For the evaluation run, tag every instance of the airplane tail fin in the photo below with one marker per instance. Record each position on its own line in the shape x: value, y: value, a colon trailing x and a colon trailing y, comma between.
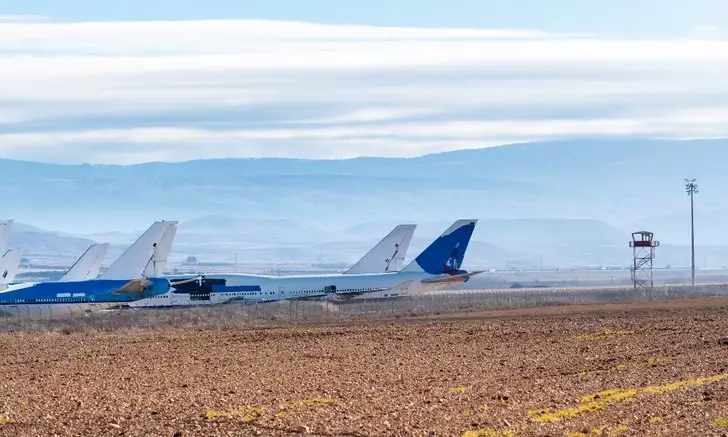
x: 5, y: 227
x: 158, y: 262
x: 446, y: 253
x: 388, y: 255
x: 9, y: 266
x: 88, y: 265
x: 133, y: 262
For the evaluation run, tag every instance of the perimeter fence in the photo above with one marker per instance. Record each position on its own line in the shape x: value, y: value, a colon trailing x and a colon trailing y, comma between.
x: 312, y: 312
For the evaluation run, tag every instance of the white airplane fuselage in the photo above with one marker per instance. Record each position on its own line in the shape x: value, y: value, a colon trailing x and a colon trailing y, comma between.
x: 256, y: 288
x: 437, y: 267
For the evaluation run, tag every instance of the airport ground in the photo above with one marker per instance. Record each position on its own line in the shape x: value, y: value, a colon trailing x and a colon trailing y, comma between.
x: 632, y: 369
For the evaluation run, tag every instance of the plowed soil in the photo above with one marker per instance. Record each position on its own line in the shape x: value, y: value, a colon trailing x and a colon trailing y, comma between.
x: 650, y: 368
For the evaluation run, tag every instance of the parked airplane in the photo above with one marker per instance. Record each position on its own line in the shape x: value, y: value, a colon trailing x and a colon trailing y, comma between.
x: 437, y: 267
x: 122, y: 282
x: 387, y: 256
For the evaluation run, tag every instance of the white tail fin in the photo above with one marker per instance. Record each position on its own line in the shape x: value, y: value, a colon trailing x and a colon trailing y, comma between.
x: 5, y: 227
x: 9, y: 266
x: 132, y: 263
x: 88, y: 265
x: 388, y: 255
x: 155, y: 268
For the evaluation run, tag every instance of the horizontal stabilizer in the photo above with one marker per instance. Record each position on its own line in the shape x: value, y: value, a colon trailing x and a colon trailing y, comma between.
x: 88, y: 265
x: 388, y: 255
x: 197, y: 279
x: 10, y: 266
x: 455, y: 279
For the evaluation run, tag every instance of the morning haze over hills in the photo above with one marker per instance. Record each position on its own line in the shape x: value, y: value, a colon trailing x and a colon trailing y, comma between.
x: 556, y: 204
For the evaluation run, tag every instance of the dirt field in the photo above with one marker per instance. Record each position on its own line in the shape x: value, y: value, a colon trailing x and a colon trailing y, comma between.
x: 638, y: 369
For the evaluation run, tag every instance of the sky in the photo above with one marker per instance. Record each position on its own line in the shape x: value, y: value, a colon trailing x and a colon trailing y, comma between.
x: 128, y: 81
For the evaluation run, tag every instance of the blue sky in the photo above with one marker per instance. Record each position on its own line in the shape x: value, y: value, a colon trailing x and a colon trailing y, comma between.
x: 637, y: 17
x: 175, y: 80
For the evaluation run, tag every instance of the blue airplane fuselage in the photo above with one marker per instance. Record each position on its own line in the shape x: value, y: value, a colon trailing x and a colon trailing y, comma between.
x: 74, y: 295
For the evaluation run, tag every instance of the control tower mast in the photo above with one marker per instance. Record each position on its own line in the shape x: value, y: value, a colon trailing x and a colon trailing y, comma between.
x: 643, y: 246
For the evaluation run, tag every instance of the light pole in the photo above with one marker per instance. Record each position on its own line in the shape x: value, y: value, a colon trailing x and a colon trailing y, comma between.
x: 692, y: 188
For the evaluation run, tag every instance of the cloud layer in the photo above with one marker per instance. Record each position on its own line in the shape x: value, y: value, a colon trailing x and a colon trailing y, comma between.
x: 127, y: 92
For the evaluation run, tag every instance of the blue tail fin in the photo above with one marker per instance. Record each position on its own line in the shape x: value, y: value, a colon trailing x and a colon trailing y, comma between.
x: 445, y: 255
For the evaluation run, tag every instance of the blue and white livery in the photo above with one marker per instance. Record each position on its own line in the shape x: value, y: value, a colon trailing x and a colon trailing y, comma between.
x: 52, y: 299
x: 437, y: 267
x: 123, y: 282
x: 386, y: 256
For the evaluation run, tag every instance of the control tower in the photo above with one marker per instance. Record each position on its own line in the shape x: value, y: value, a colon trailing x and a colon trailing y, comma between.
x: 643, y: 246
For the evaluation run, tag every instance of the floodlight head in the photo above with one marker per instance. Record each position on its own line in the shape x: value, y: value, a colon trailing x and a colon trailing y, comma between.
x: 690, y: 186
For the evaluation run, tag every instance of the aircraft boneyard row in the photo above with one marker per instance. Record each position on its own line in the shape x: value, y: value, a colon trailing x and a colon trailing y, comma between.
x: 136, y: 279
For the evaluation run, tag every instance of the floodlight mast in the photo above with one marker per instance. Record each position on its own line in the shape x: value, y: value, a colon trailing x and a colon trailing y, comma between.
x: 692, y: 188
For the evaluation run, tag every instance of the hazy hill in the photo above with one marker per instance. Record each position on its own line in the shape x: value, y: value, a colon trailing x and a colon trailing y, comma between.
x: 568, y: 202
x: 42, y: 246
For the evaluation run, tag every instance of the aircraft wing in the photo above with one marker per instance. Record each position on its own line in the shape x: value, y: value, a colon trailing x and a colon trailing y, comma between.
x: 346, y: 295
x: 135, y: 286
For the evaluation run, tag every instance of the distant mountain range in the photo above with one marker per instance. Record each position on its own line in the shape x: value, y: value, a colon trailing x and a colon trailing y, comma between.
x: 556, y: 203
x: 47, y: 247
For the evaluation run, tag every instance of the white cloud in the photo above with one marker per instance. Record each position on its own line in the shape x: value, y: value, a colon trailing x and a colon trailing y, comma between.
x: 708, y: 31
x: 91, y: 91
x: 219, y: 36
x: 398, y: 139
x: 22, y: 18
